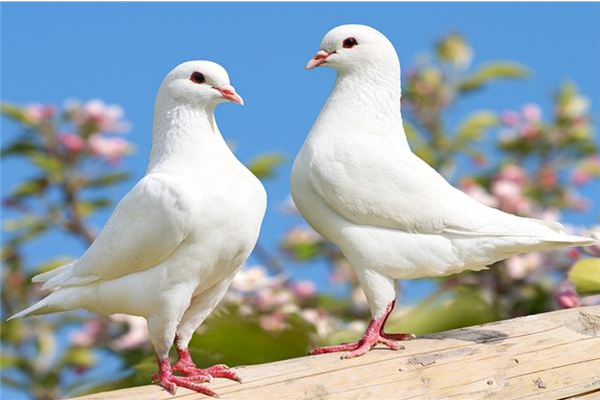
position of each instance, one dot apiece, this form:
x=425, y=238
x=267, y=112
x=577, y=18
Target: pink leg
x=186, y=366
x=371, y=338
x=170, y=382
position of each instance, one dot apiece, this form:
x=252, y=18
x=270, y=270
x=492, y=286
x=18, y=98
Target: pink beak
x=318, y=59
x=228, y=92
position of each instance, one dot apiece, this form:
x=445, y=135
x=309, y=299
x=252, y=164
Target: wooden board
x=547, y=356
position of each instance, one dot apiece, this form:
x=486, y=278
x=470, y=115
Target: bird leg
x=186, y=366
x=170, y=382
x=371, y=338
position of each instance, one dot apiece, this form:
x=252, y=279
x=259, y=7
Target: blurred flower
x=359, y=299
x=565, y=296
x=518, y=267
x=510, y=118
x=513, y=173
x=478, y=192
x=137, y=333
x=111, y=149
x=455, y=50
x=324, y=323
x=88, y=334
x=71, y=141
x=580, y=177
x=273, y=322
x=97, y=116
x=250, y=279
x=531, y=112
x=304, y=290
x=37, y=113
x=269, y=298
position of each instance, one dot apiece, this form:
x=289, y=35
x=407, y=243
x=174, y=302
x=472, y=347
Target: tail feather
x=46, y=276
x=41, y=307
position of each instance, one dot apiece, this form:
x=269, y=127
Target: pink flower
x=510, y=118
x=71, y=141
x=531, y=112
x=565, y=296
x=87, y=336
x=102, y=117
x=518, y=267
x=580, y=177
x=137, y=334
x=479, y=193
x=513, y=173
x=273, y=322
x=37, y=113
x=529, y=132
x=304, y=290
x=111, y=149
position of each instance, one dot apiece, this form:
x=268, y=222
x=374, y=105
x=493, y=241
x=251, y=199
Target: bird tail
x=62, y=276
x=62, y=300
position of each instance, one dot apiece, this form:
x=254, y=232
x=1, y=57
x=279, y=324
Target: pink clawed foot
x=170, y=382
x=373, y=336
x=186, y=366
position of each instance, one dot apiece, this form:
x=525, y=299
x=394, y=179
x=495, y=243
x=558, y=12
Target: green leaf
x=14, y=112
x=88, y=207
x=585, y=275
x=45, y=162
x=490, y=72
x=264, y=165
x=474, y=126
x=458, y=308
x=20, y=147
x=107, y=180
x=79, y=357
x=30, y=188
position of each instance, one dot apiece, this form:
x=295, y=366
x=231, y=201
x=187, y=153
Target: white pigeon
x=174, y=243
x=358, y=184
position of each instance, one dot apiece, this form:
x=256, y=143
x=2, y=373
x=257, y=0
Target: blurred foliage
x=534, y=167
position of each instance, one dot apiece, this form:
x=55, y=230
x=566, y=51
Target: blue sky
x=120, y=53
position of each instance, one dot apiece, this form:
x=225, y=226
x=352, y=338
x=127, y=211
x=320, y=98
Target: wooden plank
x=547, y=356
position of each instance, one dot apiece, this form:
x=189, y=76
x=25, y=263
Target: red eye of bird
x=197, y=77
x=349, y=43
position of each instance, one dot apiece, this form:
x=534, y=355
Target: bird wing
x=376, y=180
x=147, y=225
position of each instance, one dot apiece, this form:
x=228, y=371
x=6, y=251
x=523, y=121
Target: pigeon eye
x=349, y=43
x=197, y=77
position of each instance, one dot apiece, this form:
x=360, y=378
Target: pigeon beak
x=319, y=59
x=228, y=92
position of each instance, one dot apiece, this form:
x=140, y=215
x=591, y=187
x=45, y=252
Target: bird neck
x=366, y=99
x=183, y=135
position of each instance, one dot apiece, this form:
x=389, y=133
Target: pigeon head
x=354, y=47
x=199, y=83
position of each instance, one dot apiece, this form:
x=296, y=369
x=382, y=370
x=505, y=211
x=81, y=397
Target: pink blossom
x=565, y=296
x=87, y=336
x=304, y=290
x=37, y=113
x=269, y=298
x=137, y=334
x=580, y=177
x=103, y=117
x=111, y=149
x=518, y=267
x=272, y=322
x=510, y=118
x=252, y=278
x=531, y=112
x=513, y=173
x=71, y=141
x=323, y=322
x=479, y=193
x=529, y=132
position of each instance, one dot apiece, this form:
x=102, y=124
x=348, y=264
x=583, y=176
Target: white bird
x=174, y=243
x=358, y=184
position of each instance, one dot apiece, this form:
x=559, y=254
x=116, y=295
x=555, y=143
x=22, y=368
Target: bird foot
x=360, y=347
x=216, y=371
x=373, y=336
x=170, y=382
